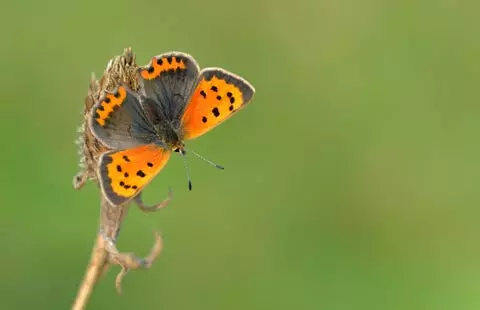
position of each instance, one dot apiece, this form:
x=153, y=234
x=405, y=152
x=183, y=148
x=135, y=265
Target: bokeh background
x=351, y=181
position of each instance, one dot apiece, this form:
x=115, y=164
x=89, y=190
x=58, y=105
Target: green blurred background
x=350, y=183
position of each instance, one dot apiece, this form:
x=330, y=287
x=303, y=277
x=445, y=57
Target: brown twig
x=97, y=263
x=105, y=253
x=120, y=69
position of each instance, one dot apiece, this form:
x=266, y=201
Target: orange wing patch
x=217, y=96
x=124, y=173
x=162, y=64
x=109, y=104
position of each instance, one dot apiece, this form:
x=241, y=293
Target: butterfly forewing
x=169, y=80
x=217, y=96
x=119, y=121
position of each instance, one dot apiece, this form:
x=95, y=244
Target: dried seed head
x=121, y=68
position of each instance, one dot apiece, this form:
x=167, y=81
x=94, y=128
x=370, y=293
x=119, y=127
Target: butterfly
x=176, y=102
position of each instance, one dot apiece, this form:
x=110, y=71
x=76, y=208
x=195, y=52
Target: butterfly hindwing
x=119, y=121
x=123, y=174
x=168, y=81
x=217, y=95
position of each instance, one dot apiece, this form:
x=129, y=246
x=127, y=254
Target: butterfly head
x=180, y=148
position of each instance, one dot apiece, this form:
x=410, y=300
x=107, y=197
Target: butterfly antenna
x=185, y=164
x=206, y=160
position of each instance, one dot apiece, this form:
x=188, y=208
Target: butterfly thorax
x=168, y=136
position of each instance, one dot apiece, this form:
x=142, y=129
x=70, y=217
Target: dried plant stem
x=98, y=262
x=111, y=218
x=123, y=69
x=105, y=252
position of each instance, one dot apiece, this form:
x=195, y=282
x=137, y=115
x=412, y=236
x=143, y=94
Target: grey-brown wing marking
x=119, y=121
x=169, y=81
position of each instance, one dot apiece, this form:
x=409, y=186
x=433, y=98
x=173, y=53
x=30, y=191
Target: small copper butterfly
x=175, y=102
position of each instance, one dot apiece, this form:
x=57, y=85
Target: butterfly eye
x=180, y=150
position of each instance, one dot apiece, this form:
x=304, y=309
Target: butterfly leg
x=79, y=179
x=129, y=261
x=156, y=207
